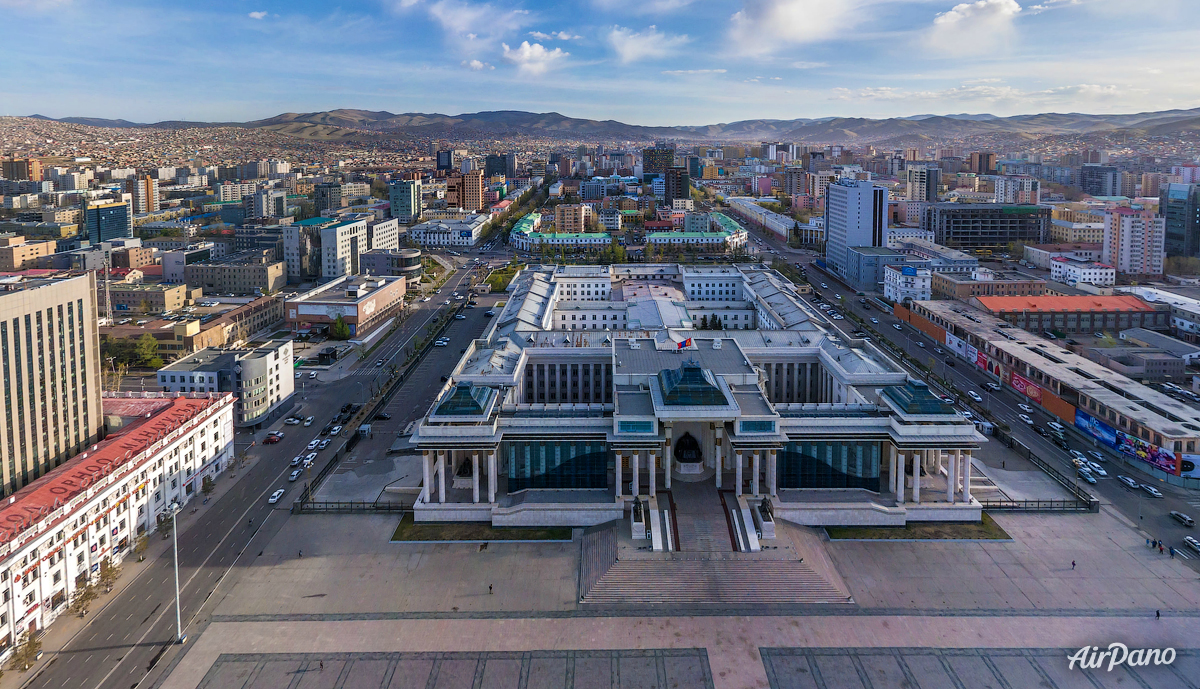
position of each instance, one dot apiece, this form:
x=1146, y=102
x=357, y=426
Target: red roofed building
x=1077, y=314
x=55, y=532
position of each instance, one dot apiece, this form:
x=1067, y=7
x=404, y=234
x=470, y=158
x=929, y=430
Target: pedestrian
x=322, y=664
x=1072, y=564
x=489, y=589
x=1157, y=615
x=1160, y=549
x=1172, y=549
x=1147, y=542
x=301, y=553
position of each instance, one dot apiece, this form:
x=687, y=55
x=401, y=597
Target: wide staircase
x=692, y=579
x=700, y=518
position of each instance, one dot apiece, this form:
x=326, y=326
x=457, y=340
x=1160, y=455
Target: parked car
x=489, y=313
x=1025, y=408
x=1128, y=481
x=298, y=374
x=272, y=439
x=439, y=343
x=1182, y=518
x=975, y=396
x=1151, y=490
x=275, y=496
x=383, y=416
x=1025, y=418
x=459, y=317
x=1086, y=475
x=295, y=474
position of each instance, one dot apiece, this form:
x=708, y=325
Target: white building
x=1069, y=271
x=906, y=282
x=1134, y=241
x=59, y=529
x=462, y=232
x=897, y=235
x=1021, y=190
x=748, y=208
x=383, y=234
x=404, y=197
x=855, y=215
x=341, y=245
x=261, y=379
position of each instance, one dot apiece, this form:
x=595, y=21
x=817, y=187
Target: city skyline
x=667, y=62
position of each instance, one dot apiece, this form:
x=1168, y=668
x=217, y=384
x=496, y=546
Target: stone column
x=892, y=467
x=427, y=473
x=900, y=488
x=668, y=461
x=951, y=474
x=617, y=473
x=737, y=475
x=441, y=467
x=491, y=456
x=756, y=463
x=636, y=479
x=475, y=477
x=773, y=473
x=652, y=461
x=966, y=478
x=718, y=448
x=917, y=456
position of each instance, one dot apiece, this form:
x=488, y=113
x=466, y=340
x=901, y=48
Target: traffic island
x=985, y=530
x=473, y=532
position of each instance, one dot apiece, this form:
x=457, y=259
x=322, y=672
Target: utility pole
x=174, y=508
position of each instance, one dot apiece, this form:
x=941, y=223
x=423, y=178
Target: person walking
x=1072, y=565
x=301, y=554
x=1157, y=615
x=1160, y=548
x=1172, y=550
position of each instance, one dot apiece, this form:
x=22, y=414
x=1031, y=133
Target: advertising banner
x=956, y=345
x=1127, y=444
x=981, y=360
x=1027, y=387
x=1188, y=467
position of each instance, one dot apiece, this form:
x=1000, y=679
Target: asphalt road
x=129, y=641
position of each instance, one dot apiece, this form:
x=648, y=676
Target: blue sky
x=655, y=62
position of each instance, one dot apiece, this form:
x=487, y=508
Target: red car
x=272, y=439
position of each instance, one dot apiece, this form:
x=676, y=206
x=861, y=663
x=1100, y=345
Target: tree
x=704, y=322
x=339, y=330
x=26, y=652
x=207, y=486
x=109, y=573
x=82, y=600
x=140, y=546
x=165, y=524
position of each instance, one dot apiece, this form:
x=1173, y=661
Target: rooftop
x=1064, y=304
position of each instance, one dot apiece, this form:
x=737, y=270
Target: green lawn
x=987, y=529
x=498, y=279
x=408, y=530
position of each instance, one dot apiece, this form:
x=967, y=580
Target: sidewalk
x=67, y=626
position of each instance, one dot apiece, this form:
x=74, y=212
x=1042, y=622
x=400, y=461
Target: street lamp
x=173, y=509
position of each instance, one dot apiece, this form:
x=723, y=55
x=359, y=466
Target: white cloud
x=533, y=59
x=693, y=71
x=632, y=46
x=257, y=15
x=644, y=7
x=984, y=24
x=554, y=35
x=476, y=65
x=1049, y=5
x=764, y=26
x=809, y=65
x=475, y=26
x=988, y=94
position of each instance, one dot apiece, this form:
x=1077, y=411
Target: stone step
x=727, y=582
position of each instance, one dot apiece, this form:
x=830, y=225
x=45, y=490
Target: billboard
x=1124, y=443
x=1188, y=467
x=1027, y=387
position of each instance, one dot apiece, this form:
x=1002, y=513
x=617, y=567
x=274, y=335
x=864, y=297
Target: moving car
x=298, y=374
x=1097, y=469
x=335, y=430
x=1086, y=475
x=308, y=421
x=439, y=343
x=1077, y=455
x=1128, y=481
x=1182, y=518
x=313, y=445
x=921, y=344
x=324, y=444
x=1025, y=408
x=1096, y=456
x=1025, y=418
x=291, y=421
x=383, y=416
x=938, y=350
x=310, y=458
x=295, y=474
x=975, y=396
x=1151, y=490
x=1056, y=426
x=459, y=317
x=1041, y=431
x=994, y=387
x=275, y=496
x=875, y=321
x=296, y=460
x=272, y=439
x=897, y=326
x=379, y=363
x=312, y=374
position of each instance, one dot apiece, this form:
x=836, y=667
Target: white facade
x=383, y=234
x=463, y=232
x=1022, y=190
x=341, y=245
x=855, y=215
x=75, y=528
x=1135, y=241
x=261, y=378
x=1070, y=271
x=906, y=282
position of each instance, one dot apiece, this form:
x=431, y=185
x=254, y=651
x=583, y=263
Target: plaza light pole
x=174, y=508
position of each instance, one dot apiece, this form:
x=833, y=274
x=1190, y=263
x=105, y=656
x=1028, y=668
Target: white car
x=897, y=326
x=439, y=344
x=875, y=321
x=310, y=458
x=975, y=396
x=335, y=430
x=313, y=445
x=1025, y=408
x=312, y=374
x=308, y=421
x=298, y=374
x=459, y=317
x=1097, y=469
x=1025, y=418
x=295, y=474
x=276, y=496
x=426, y=299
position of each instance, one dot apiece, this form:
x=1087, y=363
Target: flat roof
x=1064, y=304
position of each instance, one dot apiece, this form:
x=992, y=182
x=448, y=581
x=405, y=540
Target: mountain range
x=349, y=125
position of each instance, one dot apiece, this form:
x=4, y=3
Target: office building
x=105, y=220
x=268, y=203
x=138, y=298
x=902, y=283
x=983, y=163
x=865, y=264
x=1179, y=204
x=145, y=194
x=327, y=197
x=465, y=191
x=1072, y=272
x=260, y=379
x=989, y=226
x=341, y=244
x=383, y=234
x=572, y=217
x=251, y=272
x=174, y=261
x=855, y=215
x=21, y=169
x=302, y=249
x=1134, y=242
x=981, y=282
x=1018, y=190
x=18, y=254
x=393, y=262
x=50, y=358
x=1100, y=180
x=361, y=302
x=678, y=185
x=657, y=160
x=464, y=231
x=634, y=395
x=923, y=182
x=404, y=197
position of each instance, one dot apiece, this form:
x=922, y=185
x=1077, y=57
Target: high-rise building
x=105, y=220
x=465, y=190
x=21, y=168
x=693, y=166
x=341, y=245
x=404, y=195
x=1179, y=205
x=1151, y=183
x=855, y=215
x=571, y=217
x=50, y=358
x=1100, y=180
x=678, y=186
x=328, y=196
x=268, y=203
x=1187, y=174
x=795, y=181
x=655, y=161
x=983, y=163
x=923, y=182
x=1023, y=190
x=445, y=160
x=1134, y=241
x=495, y=164
x=145, y=194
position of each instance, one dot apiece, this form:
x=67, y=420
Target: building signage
x=1126, y=444
x=1025, y=386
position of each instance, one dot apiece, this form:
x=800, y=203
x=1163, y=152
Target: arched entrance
x=688, y=455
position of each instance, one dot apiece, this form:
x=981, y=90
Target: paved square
x=960, y=668
x=679, y=668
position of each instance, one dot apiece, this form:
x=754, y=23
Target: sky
x=650, y=62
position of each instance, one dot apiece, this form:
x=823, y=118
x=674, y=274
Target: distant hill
x=348, y=124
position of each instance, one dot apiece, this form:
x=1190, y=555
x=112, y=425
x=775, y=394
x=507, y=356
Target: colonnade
x=434, y=467
x=957, y=466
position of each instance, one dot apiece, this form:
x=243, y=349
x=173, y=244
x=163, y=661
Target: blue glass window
x=636, y=426
x=757, y=427
x=556, y=464
x=830, y=464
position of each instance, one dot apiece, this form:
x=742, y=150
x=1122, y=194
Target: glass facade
x=830, y=464
x=556, y=464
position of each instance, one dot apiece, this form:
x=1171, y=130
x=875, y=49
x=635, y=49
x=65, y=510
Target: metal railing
x=1038, y=506
x=351, y=507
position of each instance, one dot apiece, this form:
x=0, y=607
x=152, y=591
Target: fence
x=1039, y=506
x=351, y=507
